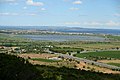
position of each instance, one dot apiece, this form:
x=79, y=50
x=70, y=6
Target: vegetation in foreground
x=44, y=60
x=17, y=68
x=65, y=50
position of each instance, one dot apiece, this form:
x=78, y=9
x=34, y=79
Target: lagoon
x=56, y=37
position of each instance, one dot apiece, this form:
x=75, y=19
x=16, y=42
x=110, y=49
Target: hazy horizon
x=98, y=14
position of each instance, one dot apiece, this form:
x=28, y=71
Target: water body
x=64, y=29
x=95, y=31
x=56, y=37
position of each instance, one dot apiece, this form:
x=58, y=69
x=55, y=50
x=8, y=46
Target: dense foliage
x=16, y=68
x=65, y=50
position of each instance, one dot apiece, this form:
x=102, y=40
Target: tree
x=117, y=48
x=78, y=52
x=69, y=53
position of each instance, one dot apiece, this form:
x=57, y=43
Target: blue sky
x=73, y=13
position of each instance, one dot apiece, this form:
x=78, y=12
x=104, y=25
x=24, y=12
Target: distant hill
x=64, y=29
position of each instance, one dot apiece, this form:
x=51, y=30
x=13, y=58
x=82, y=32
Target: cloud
x=117, y=14
x=11, y=2
x=30, y=2
x=92, y=23
x=72, y=23
x=112, y=23
x=17, y=14
x=14, y=3
x=82, y=15
x=43, y=9
x=65, y=0
x=9, y=14
x=74, y=8
x=109, y=23
x=77, y=2
x=24, y=7
x=31, y=14
x=8, y=0
x=95, y=24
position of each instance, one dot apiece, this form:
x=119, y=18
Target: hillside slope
x=16, y=68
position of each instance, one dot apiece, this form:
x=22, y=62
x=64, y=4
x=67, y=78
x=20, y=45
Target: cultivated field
x=101, y=55
x=111, y=62
x=24, y=47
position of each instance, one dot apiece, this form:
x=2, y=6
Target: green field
x=114, y=38
x=103, y=54
x=116, y=64
x=89, y=46
x=30, y=46
x=44, y=60
x=64, y=50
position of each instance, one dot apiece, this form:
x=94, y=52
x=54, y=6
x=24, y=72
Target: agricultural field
x=44, y=59
x=9, y=40
x=47, y=59
x=107, y=57
x=116, y=64
x=36, y=51
x=111, y=62
x=113, y=38
x=100, y=55
x=89, y=46
x=65, y=50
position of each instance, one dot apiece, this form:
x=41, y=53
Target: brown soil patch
x=45, y=56
x=109, y=61
x=84, y=66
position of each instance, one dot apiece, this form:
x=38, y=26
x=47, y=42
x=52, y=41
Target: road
x=90, y=61
x=85, y=60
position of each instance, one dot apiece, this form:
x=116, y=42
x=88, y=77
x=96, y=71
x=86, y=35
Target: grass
x=113, y=37
x=65, y=49
x=44, y=60
x=108, y=54
x=91, y=46
x=69, y=49
x=115, y=64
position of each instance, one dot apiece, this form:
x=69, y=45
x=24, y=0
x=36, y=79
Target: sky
x=104, y=14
